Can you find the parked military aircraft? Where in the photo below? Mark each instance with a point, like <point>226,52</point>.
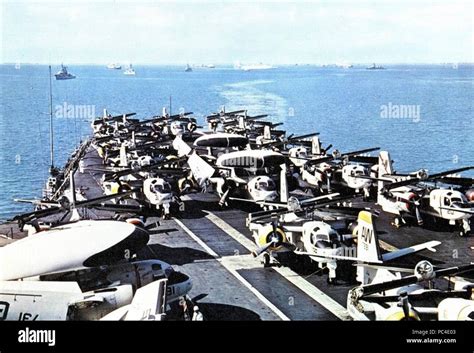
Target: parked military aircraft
<point>92,255</point>
<point>405,195</point>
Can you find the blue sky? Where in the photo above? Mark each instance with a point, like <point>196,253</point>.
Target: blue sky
<point>160,32</point>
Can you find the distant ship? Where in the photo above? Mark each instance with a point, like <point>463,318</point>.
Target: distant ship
<point>114,66</point>
<point>256,67</point>
<point>130,71</point>
<point>344,65</point>
<point>63,74</point>
<point>375,67</point>
<point>210,66</point>
<point>188,68</point>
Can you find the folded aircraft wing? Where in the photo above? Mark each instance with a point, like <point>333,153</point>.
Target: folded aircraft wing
<point>147,304</point>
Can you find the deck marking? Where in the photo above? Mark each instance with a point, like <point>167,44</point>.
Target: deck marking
<point>234,233</point>
<point>259,295</point>
<point>196,238</point>
<point>234,272</point>
<point>313,292</point>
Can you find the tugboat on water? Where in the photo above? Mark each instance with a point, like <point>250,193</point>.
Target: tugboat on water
<point>63,74</point>
<point>375,67</point>
<point>130,71</point>
<point>114,66</point>
<point>188,68</point>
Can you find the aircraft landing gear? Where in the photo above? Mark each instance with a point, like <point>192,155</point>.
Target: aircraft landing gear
<point>465,228</point>
<point>331,281</point>
<point>397,222</point>
<point>266,260</point>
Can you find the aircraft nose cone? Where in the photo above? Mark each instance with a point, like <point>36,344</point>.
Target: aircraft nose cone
<point>181,281</point>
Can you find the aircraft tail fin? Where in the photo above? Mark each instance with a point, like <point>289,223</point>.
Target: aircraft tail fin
<point>181,146</point>
<point>368,249</point>
<point>201,170</point>
<point>123,155</point>
<point>367,240</point>
<point>267,133</point>
<point>384,168</point>
<point>283,184</point>
<point>385,164</point>
<point>315,145</point>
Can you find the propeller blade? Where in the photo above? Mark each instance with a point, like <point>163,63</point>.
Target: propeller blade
<point>328,148</point>
<point>405,305</point>
<point>223,199</point>
<point>262,249</point>
<point>418,215</point>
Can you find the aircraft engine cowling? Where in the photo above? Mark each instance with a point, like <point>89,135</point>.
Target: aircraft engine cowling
<point>470,195</point>
<point>192,126</point>
<point>424,270</point>
<point>112,298</point>
<point>298,152</point>
<point>316,236</point>
<point>186,184</point>
<point>408,205</point>
<point>64,202</point>
<point>456,309</point>
<point>268,234</point>
<point>397,314</point>
<point>422,174</point>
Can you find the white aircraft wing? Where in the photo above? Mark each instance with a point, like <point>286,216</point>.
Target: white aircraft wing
<point>326,257</point>
<point>181,146</point>
<point>410,250</point>
<point>34,300</point>
<point>202,171</point>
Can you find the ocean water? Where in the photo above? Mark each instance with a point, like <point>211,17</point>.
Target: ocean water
<point>345,105</point>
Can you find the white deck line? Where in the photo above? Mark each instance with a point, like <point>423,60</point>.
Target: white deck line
<point>263,299</point>
<point>228,266</point>
<point>315,293</point>
<point>196,238</point>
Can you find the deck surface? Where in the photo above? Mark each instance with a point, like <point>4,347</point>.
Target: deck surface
<point>213,246</point>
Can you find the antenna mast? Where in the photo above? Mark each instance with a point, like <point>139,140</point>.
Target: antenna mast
<point>51,142</point>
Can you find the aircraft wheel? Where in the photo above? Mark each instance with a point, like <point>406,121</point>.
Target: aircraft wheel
<point>331,281</point>
<point>266,260</point>
<point>397,222</point>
